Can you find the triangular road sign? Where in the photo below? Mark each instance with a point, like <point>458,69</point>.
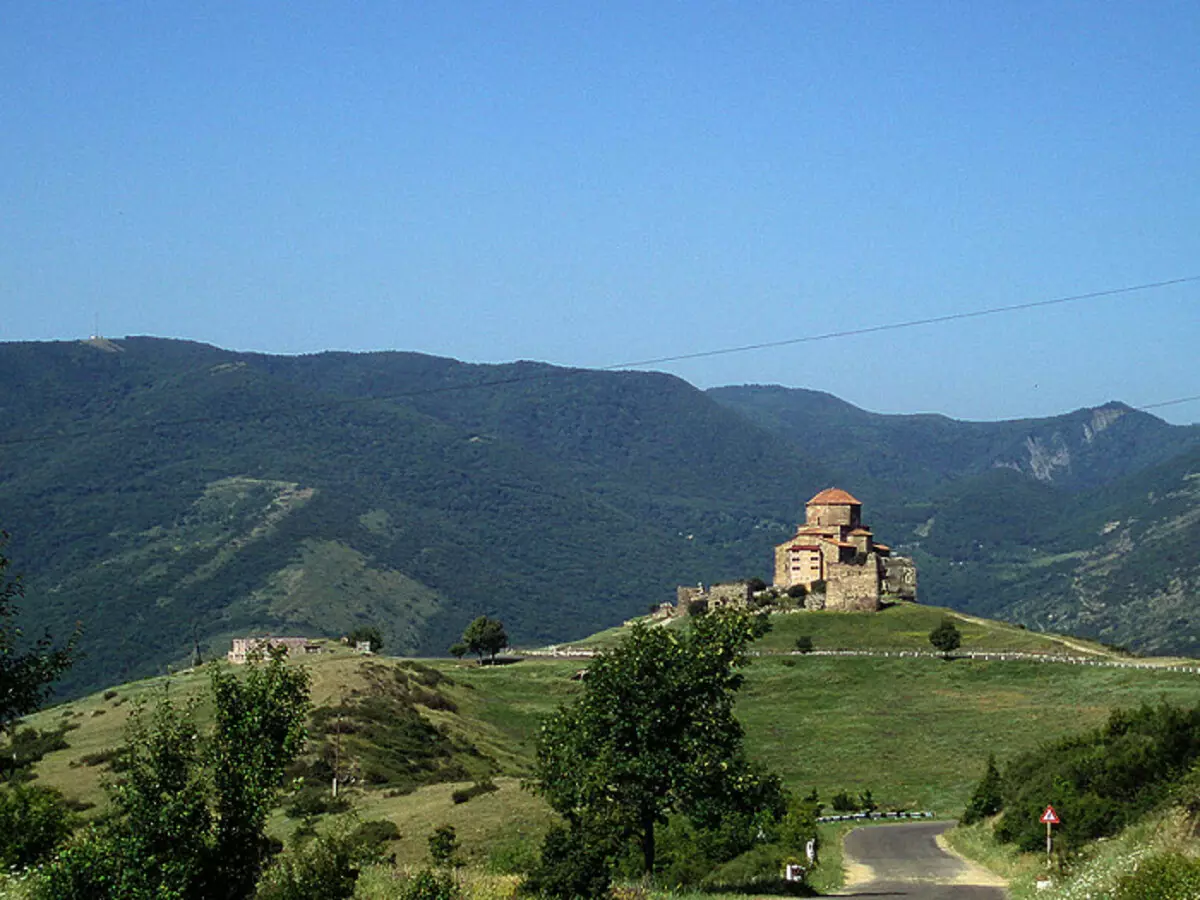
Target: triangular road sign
<point>1050,817</point>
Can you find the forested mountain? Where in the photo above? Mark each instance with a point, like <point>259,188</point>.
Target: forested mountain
<point>160,489</point>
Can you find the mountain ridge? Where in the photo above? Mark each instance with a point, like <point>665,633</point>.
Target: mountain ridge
<point>139,478</point>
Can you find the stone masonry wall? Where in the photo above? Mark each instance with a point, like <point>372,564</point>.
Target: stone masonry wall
<point>853,587</point>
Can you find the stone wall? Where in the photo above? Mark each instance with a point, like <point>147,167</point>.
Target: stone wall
<point>900,578</point>
<point>853,587</point>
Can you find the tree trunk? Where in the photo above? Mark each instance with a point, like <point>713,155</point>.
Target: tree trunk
<point>648,842</point>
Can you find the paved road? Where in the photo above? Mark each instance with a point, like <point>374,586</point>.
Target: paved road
<point>905,861</point>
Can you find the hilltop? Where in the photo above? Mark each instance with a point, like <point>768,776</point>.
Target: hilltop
<point>914,731</point>
<point>159,489</point>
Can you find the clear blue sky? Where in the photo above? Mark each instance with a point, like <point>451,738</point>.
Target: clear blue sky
<point>589,184</point>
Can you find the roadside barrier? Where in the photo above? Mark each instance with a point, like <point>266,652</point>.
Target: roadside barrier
<point>860,816</point>
<point>992,656</point>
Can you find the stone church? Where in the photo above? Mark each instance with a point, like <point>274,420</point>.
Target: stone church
<point>834,549</point>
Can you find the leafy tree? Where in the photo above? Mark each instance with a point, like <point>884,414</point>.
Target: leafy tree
<point>368,633</point>
<point>988,798</point>
<point>189,816</point>
<point>33,822</point>
<point>946,637</point>
<point>324,868</point>
<point>259,732</point>
<point>25,678</point>
<point>458,649</point>
<point>654,733</point>
<point>485,637</point>
<point>575,862</point>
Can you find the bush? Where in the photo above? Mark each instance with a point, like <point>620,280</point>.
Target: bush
<point>33,822</point>
<point>314,801</point>
<point>1102,780</point>
<point>804,644</point>
<point>844,802</point>
<point>443,846</point>
<point>573,864</point>
<point>797,591</point>
<point>325,867</point>
<point>1168,876</point>
<point>430,884</point>
<point>462,795</point>
<point>514,857</point>
<point>374,832</point>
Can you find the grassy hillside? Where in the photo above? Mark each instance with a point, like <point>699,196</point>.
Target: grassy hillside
<point>916,732</point>
<point>159,490</point>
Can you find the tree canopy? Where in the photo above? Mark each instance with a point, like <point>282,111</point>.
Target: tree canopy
<point>946,637</point>
<point>25,677</point>
<point>654,734</point>
<point>485,637</point>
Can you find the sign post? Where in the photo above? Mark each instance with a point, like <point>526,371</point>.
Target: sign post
<point>1050,817</point>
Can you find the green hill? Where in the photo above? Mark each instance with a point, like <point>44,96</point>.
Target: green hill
<point>915,731</point>
<point>162,490</point>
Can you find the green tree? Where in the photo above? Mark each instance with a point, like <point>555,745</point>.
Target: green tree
<point>259,732</point>
<point>190,815</point>
<point>946,638</point>
<point>458,649</point>
<point>25,677</point>
<point>33,822</point>
<point>988,798</point>
<point>367,633</point>
<point>654,733</point>
<point>485,637</point>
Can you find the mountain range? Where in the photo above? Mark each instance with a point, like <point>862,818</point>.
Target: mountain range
<point>165,493</point>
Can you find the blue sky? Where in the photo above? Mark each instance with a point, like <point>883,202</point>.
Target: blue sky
<point>589,184</point>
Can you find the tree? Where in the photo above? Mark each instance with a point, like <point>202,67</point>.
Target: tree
<point>368,633</point>
<point>988,798</point>
<point>946,637</point>
<point>485,636</point>
<point>259,732</point>
<point>25,678</point>
<point>190,815</point>
<point>654,733</point>
<point>458,649</point>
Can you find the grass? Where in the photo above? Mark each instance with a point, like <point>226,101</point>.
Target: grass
<point>917,732</point>
<point>903,626</point>
<point>1092,874</point>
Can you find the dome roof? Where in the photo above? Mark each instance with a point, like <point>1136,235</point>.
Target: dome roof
<point>834,497</point>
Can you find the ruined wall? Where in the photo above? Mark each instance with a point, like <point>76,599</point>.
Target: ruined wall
<point>736,593</point>
<point>853,587</point>
<point>900,578</point>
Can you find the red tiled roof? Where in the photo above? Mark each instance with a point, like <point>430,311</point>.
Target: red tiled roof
<point>804,547</point>
<point>834,497</point>
<point>861,531</point>
<point>883,547</point>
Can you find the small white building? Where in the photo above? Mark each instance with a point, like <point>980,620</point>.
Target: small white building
<point>244,647</point>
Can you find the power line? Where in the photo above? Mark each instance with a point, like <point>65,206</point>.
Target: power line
<point>564,372</point>
<point>912,323</point>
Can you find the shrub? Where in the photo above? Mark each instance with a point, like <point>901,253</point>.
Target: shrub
<point>754,868</point>
<point>573,864</point>
<point>33,822</point>
<point>314,801</point>
<point>430,884</point>
<point>443,846</point>
<point>843,802</point>
<point>514,857</point>
<point>804,643</point>
<point>374,832</point>
<point>325,867</point>
<point>797,591</point>
<point>1167,876</point>
<point>462,795</point>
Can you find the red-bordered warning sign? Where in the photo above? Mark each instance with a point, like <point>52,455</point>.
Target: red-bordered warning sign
<point>1050,817</point>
